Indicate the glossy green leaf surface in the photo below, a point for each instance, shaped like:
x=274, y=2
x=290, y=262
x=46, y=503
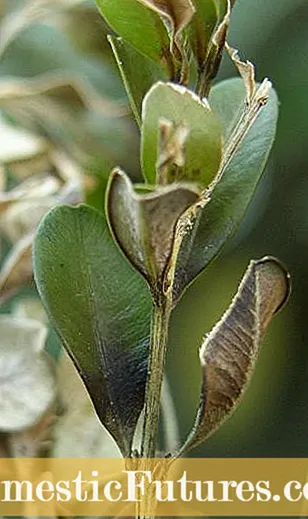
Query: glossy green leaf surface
x=143, y=224
x=218, y=220
x=181, y=107
x=138, y=25
x=101, y=309
x=137, y=71
x=230, y=350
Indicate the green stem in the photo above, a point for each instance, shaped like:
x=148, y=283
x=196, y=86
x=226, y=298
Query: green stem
x=158, y=347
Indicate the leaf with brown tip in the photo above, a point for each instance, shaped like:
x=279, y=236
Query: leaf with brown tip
x=178, y=13
x=230, y=350
x=144, y=224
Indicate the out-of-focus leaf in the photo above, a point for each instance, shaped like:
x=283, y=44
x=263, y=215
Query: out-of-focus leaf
x=138, y=73
x=17, y=144
x=230, y=350
x=202, y=149
x=16, y=269
x=143, y=224
x=22, y=207
x=78, y=432
x=30, y=308
x=178, y=13
x=27, y=385
x=2, y=179
x=138, y=25
x=36, y=187
x=218, y=218
x=202, y=28
x=101, y=309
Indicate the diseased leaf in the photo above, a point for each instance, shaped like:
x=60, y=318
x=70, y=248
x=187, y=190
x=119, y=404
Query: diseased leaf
x=202, y=28
x=246, y=70
x=166, y=101
x=204, y=231
x=138, y=73
x=27, y=384
x=138, y=25
x=230, y=350
x=178, y=13
x=143, y=224
x=101, y=309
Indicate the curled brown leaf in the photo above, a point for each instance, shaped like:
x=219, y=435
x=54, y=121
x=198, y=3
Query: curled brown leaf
x=178, y=13
x=230, y=350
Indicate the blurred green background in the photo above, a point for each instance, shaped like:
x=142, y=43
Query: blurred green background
x=70, y=37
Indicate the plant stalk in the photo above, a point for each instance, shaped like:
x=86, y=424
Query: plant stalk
x=158, y=348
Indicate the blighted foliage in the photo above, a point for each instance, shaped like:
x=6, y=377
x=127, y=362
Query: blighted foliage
x=110, y=279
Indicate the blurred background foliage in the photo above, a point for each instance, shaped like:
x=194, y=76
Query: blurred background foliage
x=58, y=80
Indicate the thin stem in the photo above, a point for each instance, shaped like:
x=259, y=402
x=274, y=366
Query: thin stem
x=158, y=347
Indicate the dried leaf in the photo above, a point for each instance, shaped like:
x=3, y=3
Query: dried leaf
x=27, y=386
x=171, y=148
x=17, y=268
x=178, y=13
x=143, y=224
x=30, y=307
x=78, y=433
x=246, y=70
x=230, y=350
x=18, y=145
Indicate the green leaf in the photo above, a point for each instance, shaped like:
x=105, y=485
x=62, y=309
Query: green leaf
x=218, y=219
x=101, y=309
x=183, y=109
x=222, y=7
x=138, y=25
x=202, y=28
x=230, y=350
x=137, y=71
x=143, y=224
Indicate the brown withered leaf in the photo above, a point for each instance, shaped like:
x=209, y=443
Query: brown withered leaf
x=144, y=224
x=178, y=13
x=17, y=268
x=27, y=381
x=246, y=70
x=230, y=350
x=171, y=148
